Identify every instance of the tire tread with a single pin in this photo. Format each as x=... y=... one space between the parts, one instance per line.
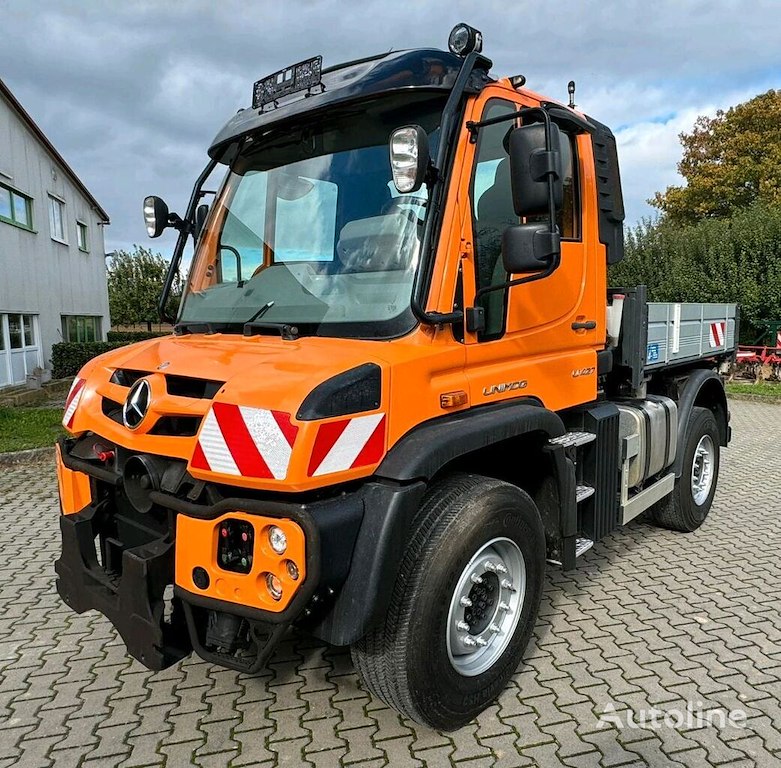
x=380 y=655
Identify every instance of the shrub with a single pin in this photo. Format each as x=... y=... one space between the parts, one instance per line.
x=69 y=356
x=128 y=337
x=721 y=260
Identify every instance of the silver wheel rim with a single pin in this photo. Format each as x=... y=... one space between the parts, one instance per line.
x=485 y=607
x=702 y=469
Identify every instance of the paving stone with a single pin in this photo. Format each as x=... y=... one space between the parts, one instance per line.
x=649 y=619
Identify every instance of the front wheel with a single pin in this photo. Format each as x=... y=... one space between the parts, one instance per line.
x=463 y=606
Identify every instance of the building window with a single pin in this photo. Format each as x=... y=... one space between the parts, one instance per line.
x=81 y=328
x=81 y=236
x=15 y=208
x=15 y=331
x=57 y=219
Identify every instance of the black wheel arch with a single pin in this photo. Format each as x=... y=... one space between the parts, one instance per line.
x=702 y=388
x=506 y=441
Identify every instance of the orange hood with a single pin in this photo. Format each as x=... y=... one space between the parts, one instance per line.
x=247 y=433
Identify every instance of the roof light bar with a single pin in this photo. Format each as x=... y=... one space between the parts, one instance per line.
x=298 y=77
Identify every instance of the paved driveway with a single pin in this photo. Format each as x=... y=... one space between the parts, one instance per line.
x=651 y=620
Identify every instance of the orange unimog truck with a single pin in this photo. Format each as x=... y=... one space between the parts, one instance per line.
x=398 y=384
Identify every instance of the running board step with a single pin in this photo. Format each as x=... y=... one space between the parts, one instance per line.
x=573 y=439
x=583 y=492
x=582 y=545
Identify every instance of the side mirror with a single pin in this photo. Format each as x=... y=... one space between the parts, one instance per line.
x=531 y=163
x=201 y=212
x=530 y=248
x=409 y=158
x=155 y=215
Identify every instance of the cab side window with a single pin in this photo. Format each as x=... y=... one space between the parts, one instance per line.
x=492 y=213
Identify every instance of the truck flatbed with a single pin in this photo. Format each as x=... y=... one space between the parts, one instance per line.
x=682 y=332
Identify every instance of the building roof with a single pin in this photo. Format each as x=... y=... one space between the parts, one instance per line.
x=41 y=136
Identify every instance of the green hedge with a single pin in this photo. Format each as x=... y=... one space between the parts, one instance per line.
x=720 y=260
x=128 y=337
x=69 y=356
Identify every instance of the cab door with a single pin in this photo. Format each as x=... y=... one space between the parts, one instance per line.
x=540 y=339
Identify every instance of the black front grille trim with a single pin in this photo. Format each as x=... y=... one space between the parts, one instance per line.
x=176 y=426
x=111 y=409
x=187 y=386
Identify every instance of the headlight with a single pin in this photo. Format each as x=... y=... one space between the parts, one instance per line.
x=409 y=157
x=465 y=39
x=274 y=586
x=277 y=539
x=155 y=215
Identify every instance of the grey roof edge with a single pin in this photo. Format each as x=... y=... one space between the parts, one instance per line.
x=51 y=149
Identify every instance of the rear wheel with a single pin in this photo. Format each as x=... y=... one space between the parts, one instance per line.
x=463 y=606
x=688 y=505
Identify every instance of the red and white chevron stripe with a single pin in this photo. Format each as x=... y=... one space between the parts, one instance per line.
x=348 y=443
x=247 y=442
x=72 y=401
x=717 y=331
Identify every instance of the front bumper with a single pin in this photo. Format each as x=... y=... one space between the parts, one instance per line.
x=124 y=565
x=135 y=602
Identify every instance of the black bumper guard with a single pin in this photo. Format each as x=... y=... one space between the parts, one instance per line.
x=133 y=602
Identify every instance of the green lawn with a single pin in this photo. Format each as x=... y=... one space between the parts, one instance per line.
x=23 y=428
x=765 y=389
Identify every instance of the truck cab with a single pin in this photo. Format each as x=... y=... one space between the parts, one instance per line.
x=397 y=386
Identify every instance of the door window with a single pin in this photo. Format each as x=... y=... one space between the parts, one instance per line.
x=492 y=213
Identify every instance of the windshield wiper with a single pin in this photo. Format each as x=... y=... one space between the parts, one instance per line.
x=251 y=327
x=287 y=331
x=193 y=326
x=262 y=311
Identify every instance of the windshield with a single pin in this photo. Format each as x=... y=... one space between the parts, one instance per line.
x=309 y=230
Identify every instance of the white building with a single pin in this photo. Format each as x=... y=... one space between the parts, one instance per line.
x=52 y=264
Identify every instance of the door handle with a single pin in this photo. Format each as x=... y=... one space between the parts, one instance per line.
x=588 y=325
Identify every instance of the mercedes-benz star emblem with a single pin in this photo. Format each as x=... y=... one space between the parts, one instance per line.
x=136 y=404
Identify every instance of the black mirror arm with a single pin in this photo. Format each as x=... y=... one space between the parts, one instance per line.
x=181 y=242
x=551 y=111
x=175 y=221
x=449 y=137
x=518 y=281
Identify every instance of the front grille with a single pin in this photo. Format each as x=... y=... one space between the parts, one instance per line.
x=181 y=386
x=112 y=409
x=126 y=377
x=186 y=386
x=176 y=426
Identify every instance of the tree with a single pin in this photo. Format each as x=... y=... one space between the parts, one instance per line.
x=736 y=259
x=135 y=283
x=729 y=162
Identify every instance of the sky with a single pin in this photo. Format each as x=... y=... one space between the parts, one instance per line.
x=132 y=93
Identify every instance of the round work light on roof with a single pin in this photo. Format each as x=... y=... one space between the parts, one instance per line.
x=465 y=39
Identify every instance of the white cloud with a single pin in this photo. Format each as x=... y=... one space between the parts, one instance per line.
x=133 y=93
